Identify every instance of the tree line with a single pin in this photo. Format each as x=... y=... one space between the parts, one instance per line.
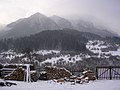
x=50 y=39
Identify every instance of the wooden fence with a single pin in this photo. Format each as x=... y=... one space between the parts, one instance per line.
x=108 y=72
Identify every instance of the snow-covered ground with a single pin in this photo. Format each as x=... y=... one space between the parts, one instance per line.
x=10 y=54
x=65 y=58
x=45 y=52
x=97 y=46
x=115 y=53
x=50 y=85
x=100 y=49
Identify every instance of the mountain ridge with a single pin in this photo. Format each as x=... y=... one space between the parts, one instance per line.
x=30 y=25
x=61 y=22
x=39 y=22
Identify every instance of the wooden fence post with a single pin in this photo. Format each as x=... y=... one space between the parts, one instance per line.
x=110 y=73
x=96 y=73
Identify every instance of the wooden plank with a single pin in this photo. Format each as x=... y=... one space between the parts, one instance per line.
x=110 y=73
x=108 y=66
x=96 y=73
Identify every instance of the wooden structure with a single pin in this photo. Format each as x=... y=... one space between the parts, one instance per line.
x=28 y=75
x=8 y=69
x=108 y=72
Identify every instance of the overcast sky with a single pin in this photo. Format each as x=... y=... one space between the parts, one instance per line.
x=107 y=11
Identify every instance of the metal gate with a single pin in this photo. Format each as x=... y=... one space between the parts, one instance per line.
x=108 y=72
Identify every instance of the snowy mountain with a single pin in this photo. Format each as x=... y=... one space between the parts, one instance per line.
x=35 y=24
x=87 y=26
x=31 y=25
x=39 y=22
x=61 y=22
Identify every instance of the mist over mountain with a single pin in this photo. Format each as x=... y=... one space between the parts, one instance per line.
x=61 y=22
x=31 y=25
x=85 y=26
x=39 y=22
x=3 y=30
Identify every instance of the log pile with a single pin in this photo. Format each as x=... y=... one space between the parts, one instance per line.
x=90 y=74
x=1 y=70
x=34 y=77
x=57 y=73
x=17 y=74
x=43 y=76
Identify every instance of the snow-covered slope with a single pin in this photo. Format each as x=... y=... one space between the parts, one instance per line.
x=10 y=54
x=103 y=48
x=45 y=52
x=63 y=59
x=100 y=49
x=98 y=53
x=56 y=56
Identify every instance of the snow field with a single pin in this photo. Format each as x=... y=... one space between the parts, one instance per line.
x=50 y=85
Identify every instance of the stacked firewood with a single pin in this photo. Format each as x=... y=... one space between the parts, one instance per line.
x=86 y=76
x=17 y=74
x=57 y=73
x=34 y=77
x=90 y=74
